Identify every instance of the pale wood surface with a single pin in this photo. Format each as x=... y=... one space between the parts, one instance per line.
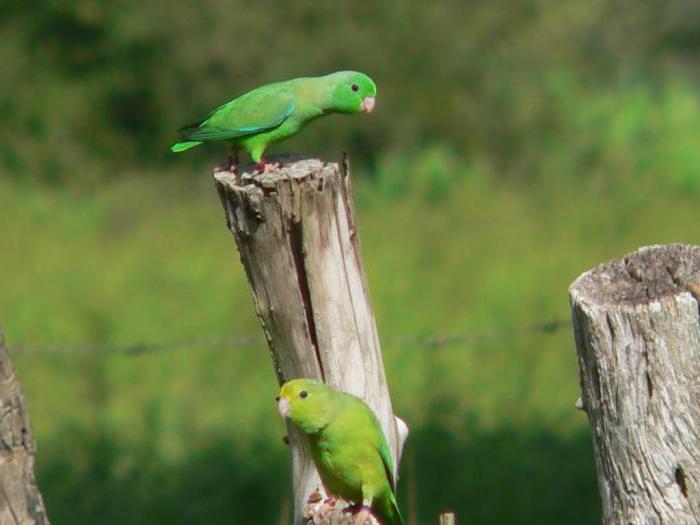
x=637 y=333
x=448 y=518
x=295 y=230
x=20 y=499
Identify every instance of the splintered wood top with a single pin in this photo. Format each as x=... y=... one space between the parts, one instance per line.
x=642 y=277
x=293 y=167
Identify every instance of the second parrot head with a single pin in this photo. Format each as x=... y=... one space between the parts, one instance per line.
x=351 y=92
x=308 y=403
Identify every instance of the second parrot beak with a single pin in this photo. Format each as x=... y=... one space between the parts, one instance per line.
x=283 y=406
x=367 y=105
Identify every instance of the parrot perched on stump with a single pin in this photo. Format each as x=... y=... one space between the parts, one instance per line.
x=347 y=445
x=276 y=111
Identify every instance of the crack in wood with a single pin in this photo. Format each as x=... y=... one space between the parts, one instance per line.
x=679 y=474
x=20 y=500
x=650 y=386
x=296 y=245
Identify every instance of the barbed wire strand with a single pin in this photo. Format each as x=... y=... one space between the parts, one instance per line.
x=228 y=343
x=138 y=348
x=546 y=327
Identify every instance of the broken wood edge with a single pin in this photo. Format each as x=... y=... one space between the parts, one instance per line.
x=647 y=275
x=21 y=501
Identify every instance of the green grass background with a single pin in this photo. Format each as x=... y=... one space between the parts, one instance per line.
x=190 y=434
x=515 y=145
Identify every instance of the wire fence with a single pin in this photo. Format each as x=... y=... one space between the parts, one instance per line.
x=432 y=342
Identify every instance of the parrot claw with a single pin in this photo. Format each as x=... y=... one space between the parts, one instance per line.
x=263 y=167
x=314 y=497
x=271 y=167
x=363 y=517
x=318 y=510
x=362 y=514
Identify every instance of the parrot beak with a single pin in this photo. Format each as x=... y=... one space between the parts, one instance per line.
x=367 y=105
x=283 y=406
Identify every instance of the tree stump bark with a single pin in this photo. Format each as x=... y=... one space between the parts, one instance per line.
x=20 y=499
x=637 y=333
x=295 y=230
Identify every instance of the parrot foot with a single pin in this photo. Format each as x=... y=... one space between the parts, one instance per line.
x=361 y=512
x=319 y=510
x=271 y=167
x=364 y=516
x=263 y=167
x=314 y=497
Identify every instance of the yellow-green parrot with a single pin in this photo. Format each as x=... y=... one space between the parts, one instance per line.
x=347 y=445
x=276 y=111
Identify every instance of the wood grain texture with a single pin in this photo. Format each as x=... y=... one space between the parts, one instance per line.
x=20 y=499
x=295 y=230
x=637 y=333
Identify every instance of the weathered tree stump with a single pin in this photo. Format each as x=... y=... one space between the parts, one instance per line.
x=637 y=333
x=295 y=230
x=20 y=499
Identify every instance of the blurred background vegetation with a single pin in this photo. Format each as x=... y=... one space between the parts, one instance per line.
x=515 y=144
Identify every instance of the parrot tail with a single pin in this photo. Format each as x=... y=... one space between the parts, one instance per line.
x=387 y=511
x=182 y=146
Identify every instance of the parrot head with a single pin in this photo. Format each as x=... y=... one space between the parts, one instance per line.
x=352 y=92
x=308 y=403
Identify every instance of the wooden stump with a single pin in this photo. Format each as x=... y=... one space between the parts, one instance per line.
x=20 y=499
x=295 y=230
x=637 y=333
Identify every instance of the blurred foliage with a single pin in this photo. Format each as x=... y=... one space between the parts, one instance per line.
x=190 y=434
x=515 y=144
x=97 y=84
x=95 y=478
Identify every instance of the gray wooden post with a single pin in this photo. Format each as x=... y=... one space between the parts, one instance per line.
x=295 y=230
x=637 y=333
x=20 y=500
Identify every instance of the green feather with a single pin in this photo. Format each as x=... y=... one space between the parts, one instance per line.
x=183 y=146
x=276 y=111
x=347 y=444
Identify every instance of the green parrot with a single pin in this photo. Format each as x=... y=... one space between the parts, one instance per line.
x=276 y=111
x=347 y=445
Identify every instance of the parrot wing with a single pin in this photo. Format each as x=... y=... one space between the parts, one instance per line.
x=386 y=508
x=257 y=111
x=385 y=454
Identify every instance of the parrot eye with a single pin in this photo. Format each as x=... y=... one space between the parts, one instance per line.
x=303 y=394
x=355 y=87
